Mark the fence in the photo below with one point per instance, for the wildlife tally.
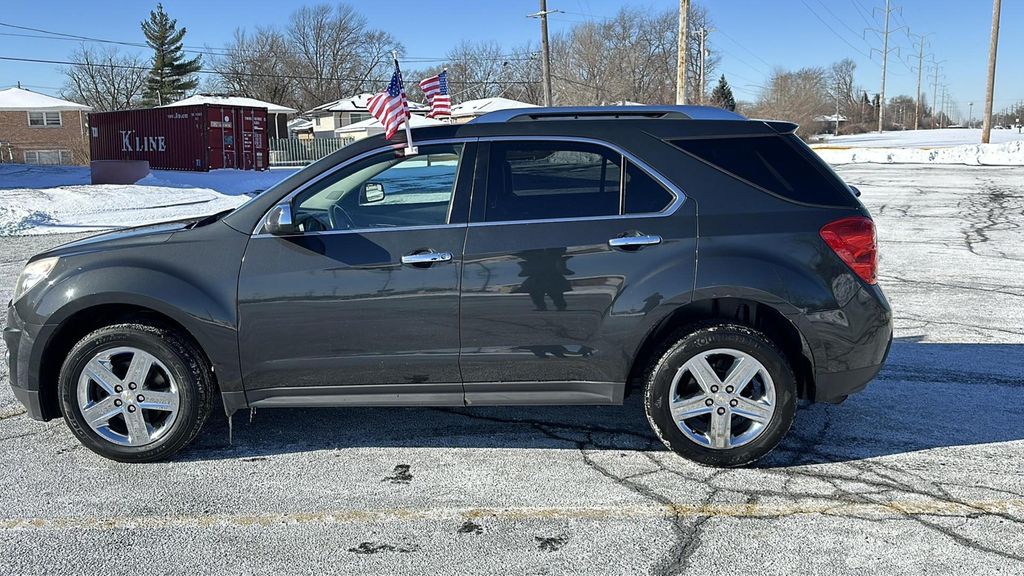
(299, 152)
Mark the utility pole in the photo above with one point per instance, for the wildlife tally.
(684, 14)
(703, 32)
(942, 114)
(920, 69)
(545, 52)
(970, 114)
(935, 89)
(885, 62)
(837, 107)
(986, 123)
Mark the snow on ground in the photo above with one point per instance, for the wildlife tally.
(951, 252)
(920, 138)
(918, 474)
(944, 146)
(50, 199)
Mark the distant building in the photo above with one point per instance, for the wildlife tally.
(341, 113)
(301, 128)
(372, 127)
(466, 111)
(277, 127)
(40, 129)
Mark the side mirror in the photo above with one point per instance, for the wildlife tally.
(373, 192)
(279, 221)
(856, 191)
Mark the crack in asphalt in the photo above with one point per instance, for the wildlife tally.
(998, 208)
(797, 452)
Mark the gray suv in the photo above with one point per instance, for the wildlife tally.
(533, 256)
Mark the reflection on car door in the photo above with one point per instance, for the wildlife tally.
(364, 307)
(546, 314)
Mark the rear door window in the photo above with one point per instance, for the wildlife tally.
(546, 180)
(644, 194)
(775, 163)
(542, 180)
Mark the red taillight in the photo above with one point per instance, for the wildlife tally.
(853, 240)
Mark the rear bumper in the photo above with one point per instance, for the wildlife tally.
(850, 344)
(833, 388)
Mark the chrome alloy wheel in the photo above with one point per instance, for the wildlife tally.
(127, 396)
(722, 398)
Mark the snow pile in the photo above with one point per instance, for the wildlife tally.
(919, 138)
(1006, 154)
(51, 199)
(231, 182)
(26, 211)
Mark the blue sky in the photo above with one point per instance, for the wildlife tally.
(751, 35)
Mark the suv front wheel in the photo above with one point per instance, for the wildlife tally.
(721, 395)
(135, 392)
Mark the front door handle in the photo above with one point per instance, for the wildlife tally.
(427, 258)
(634, 242)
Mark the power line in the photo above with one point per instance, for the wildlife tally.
(841, 21)
(254, 74)
(192, 49)
(745, 49)
(837, 34)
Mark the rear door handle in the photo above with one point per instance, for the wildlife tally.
(426, 258)
(634, 242)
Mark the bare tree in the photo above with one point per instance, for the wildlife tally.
(258, 65)
(631, 56)
(105, 79)
(798, 97)
(841, 86)
(335, 52)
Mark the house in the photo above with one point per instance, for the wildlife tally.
(277, 127)
(372, 127)
(470, 109)
(40, 129)
(340, 113)
(301, 128)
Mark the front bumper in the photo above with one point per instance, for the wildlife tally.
(19, 337)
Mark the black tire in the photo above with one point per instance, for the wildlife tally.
(182, 358)
(683, 346)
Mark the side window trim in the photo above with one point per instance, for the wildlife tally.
(258, 229)
(477, 217)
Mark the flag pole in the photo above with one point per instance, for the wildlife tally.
(450, 103)
(410, 147)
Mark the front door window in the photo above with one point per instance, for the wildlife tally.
(386, 190)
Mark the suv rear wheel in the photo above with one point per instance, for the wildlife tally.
(721, 395)
(135, 392)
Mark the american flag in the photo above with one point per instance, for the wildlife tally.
(435, 89)
(391, 106)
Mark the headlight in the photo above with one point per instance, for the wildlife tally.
(32, 274)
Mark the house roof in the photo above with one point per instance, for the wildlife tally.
(415, 121)
(485, 105)
(232, 101)
(299, 124)
(18, 99)
(357, 103)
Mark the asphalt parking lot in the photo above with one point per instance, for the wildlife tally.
(921, 473)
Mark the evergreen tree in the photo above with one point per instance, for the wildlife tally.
(171, 75)
(722, 96)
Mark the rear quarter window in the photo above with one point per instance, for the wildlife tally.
(781, 164)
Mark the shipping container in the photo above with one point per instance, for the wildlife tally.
(199, 138)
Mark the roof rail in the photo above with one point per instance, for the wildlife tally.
(607, 113)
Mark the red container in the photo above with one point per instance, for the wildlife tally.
(199, 138)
